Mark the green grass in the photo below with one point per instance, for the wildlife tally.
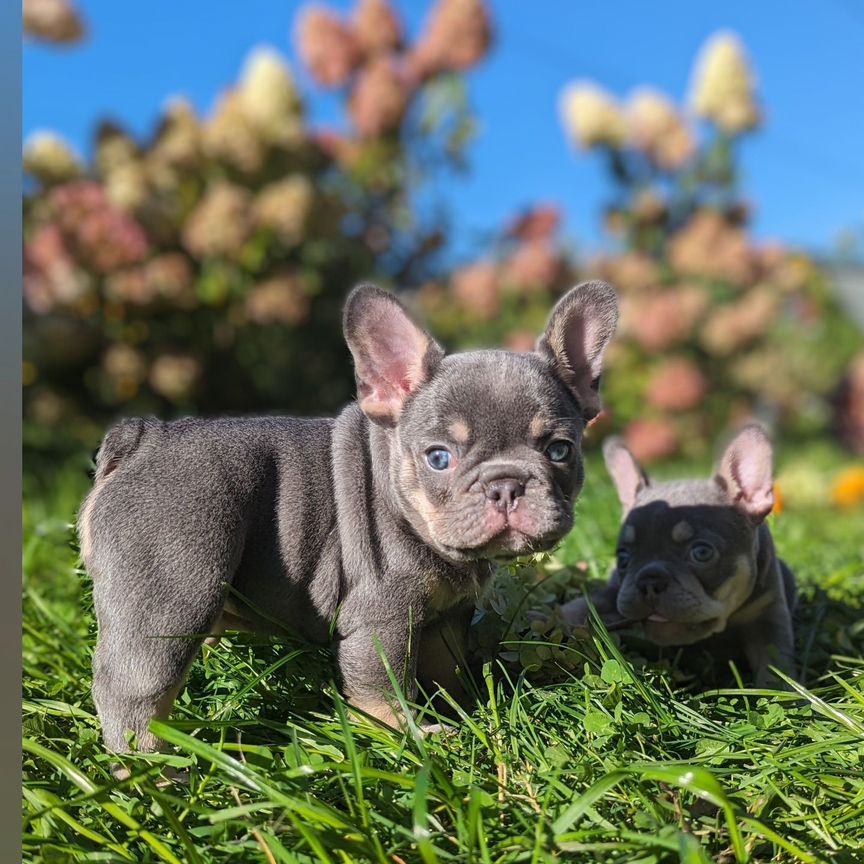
(598, 750)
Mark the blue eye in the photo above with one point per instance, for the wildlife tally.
(702, 553)
(559, 451)
(438, 459)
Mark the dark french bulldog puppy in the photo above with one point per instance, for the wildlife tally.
(696, 560)
(378, 526)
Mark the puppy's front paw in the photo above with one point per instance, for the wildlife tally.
(575, 613)
(436, 729)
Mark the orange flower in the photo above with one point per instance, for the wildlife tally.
(778, 500)
(847, 491)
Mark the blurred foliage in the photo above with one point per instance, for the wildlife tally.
(202, 270)
(714, 327)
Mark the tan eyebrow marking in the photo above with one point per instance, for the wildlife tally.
(537, 426)
(628, 534)
(459, 430)
(682, 531)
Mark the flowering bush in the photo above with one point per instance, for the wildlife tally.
(714, 327)
(203, 269)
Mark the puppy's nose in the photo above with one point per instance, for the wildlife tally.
(652, 581)
(504, 493)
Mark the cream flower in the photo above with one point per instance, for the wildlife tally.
(178, 141)
(724, 87)
(285, 206)
(591, 116)
(658, 129)
(49, 158)
(269, 97)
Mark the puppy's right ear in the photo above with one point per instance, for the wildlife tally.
(626, 472)
(745, 472)
(579, 328)
(392, 355)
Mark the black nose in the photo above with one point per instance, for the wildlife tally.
(504, 493)
(652, 581)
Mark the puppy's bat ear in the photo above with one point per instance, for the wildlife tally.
(627, 474)
(579, 328)
(392, 355)
(745, 472)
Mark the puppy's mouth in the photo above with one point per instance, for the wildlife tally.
(666, 631)
(507, 542)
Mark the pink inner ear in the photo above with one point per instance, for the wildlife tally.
(747, 470)
(389, 360)
(625, 473)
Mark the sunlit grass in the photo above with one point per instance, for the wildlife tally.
(583, 752)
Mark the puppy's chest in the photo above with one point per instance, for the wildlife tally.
(445, 593)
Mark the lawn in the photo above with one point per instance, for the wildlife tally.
(596, 750)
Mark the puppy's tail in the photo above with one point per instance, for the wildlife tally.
(120, 443)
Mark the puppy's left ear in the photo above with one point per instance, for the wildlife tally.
(579, 328)
(746, 472)
(392, 355)
(627, 474)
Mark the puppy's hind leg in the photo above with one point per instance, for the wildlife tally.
(141, 661)
(153, 613)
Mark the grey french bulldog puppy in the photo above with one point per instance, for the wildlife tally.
(377, 527)
(696, 560)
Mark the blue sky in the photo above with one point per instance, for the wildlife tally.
(804, 171)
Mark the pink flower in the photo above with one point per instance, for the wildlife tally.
(377, 27)
(95, 230)
(663, 319)
(520, 340)
(457, 36)
(650, 439)
(52, 20)
(631, 272)
(534, 264)
(476, 288)
(379, 97)
(535, 223)
(327, 46)
(50, 276)
(736, 324)
(709, 246)
(677, 385)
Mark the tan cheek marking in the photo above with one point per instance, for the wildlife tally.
(628, 534)
(682, 531)
(421, 503)
(537, 426)
(750, 612)
(734, 591)
(460, 431)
